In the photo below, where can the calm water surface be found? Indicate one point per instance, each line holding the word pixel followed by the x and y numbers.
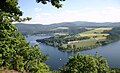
pixel 57 58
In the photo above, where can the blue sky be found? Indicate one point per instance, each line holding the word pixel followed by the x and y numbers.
pixel 72 10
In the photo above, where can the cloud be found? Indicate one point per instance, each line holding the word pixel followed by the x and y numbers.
pixel 37 10
pixel 108 14
pixel 46 14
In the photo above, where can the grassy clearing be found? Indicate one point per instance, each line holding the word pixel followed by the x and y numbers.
pixel 100 38
pixel 95 35
pixel 73 42
pixel 85 43
pixel 92 35
pixel 82 43
pixel 60 34
pixel 60 28
pixel 95 32
pixel 89 28
pixel 103 29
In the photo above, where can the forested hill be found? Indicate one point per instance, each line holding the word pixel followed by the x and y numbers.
pixel 86 24
pixel 68 26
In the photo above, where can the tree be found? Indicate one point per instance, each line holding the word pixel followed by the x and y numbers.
pixel 55 3
pixel 74 46
pixel 69 46
pixel 86 64
pixel 15 52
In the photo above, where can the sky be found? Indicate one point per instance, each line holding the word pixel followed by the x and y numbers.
pixel 72 10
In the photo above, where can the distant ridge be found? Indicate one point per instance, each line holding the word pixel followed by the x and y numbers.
pixel 33 28
pixel 85 23
pixel 80 23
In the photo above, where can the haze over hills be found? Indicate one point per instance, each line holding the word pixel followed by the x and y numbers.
pixel 85 23
pixel 36 28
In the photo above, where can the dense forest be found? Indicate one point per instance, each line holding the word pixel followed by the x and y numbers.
pixel 114 34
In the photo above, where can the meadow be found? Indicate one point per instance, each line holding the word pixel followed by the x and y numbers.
pixel 94 35
pixel 89 39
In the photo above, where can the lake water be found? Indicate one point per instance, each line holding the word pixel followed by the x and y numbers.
pixel 57 58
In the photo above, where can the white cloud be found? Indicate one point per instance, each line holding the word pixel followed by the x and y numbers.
pixel 108 14
pixel 46 14
pixel 37 10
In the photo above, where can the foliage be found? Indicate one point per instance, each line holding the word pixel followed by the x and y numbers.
pixel 55 3
pixel 86 64
pixel 117 70
pixel 114 34
pixel 15 52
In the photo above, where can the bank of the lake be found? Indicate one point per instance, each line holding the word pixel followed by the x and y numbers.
pixel 58 58
pixel 87 40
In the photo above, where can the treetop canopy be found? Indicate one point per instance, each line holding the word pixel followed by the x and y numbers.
pixel 55 3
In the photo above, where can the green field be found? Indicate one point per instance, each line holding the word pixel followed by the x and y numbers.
pixel 58 28
pixel 96 30
pixel 94 35
pixel 82 41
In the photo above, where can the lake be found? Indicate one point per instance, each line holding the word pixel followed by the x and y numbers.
pixel 58 58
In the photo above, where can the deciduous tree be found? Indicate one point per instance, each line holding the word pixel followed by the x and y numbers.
pixel 86 64
pixel 15 52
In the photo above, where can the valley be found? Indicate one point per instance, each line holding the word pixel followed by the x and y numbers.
pixel 73 36
pixel 60 42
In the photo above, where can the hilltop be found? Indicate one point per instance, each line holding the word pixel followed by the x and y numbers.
pixel 72 26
